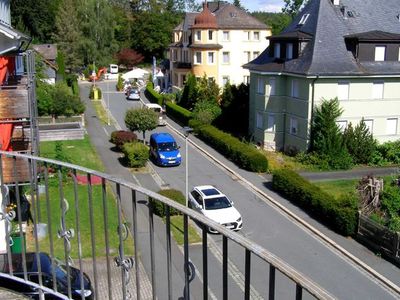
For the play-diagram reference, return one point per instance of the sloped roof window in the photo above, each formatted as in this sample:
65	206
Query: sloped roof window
303	19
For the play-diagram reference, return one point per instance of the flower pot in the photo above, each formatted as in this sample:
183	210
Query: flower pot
17	243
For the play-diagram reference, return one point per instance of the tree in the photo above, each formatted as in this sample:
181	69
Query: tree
292	7
142	119
359	142
238	4
189	94
129	57
207	90
206	111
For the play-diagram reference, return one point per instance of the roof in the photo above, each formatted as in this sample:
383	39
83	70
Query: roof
375	35
162	137
328	26
48	51
205	19
228	16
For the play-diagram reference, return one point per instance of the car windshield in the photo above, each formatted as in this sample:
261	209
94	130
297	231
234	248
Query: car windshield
217	203
61	270
170	146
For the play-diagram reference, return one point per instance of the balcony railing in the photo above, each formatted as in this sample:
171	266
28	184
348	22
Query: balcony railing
109	232
182	65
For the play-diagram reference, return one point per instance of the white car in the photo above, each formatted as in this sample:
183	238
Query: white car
209	201
133	94
160	111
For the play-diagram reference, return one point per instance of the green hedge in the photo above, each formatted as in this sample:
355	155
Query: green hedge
244	155
338	213
136	154
159	207
152	95
178	113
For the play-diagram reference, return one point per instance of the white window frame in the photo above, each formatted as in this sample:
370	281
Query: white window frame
294	126
399	53
271	125
289	50
369	123
246	79
295	88
225	35
247	56
256	54
225	80
342	125
260	86
303	19
391	126
380	53
211	55
196	61
256	35
226	59
343	90
259	120
377	90
277	50
197	35
246	35
272	86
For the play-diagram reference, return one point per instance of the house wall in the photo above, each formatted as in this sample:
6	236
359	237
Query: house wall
360	104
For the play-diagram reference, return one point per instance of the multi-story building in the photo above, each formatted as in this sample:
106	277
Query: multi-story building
216	42
349	49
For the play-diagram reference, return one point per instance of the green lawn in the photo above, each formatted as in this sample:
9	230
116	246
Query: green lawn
337	187
177	231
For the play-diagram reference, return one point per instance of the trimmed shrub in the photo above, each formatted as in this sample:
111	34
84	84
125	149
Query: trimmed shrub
136	154
120	137
120	83
178	113
91	96
152	95
338	213
244	155
159	207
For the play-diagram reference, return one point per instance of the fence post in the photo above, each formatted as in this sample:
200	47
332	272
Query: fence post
396	244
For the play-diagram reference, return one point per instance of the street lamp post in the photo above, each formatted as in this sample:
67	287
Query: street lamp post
186	131
108	106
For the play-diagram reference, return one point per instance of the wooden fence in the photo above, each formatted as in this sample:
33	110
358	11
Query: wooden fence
379	238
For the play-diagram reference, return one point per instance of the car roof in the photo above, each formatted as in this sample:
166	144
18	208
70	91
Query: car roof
31	262
208	190
162	137
153	105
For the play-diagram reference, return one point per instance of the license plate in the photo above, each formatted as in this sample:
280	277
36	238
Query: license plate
171	162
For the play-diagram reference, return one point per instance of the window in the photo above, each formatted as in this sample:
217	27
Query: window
225	36
225	80
370	125
210	35
380	53
342	125
256	35
246	35
343	90
183	79
377	90
197	57
210	57
399	53
289	51
247	56
303	19
272	86
246	79
198	35
295	88
293	126
225	57
260	86
391	126
271	123
175	55
255	54
277	50
259	120
185	56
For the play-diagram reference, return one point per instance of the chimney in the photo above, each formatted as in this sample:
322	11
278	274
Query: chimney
335	2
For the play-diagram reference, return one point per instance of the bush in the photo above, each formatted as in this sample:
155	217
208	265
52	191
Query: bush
120	83
120	137
136	154
339	213
244	155
178	113
159	207
152	95
389	152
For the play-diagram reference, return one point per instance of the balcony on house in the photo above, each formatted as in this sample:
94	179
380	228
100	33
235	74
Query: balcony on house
182	65
104	228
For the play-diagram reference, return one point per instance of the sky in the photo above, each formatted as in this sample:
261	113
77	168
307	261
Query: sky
259	5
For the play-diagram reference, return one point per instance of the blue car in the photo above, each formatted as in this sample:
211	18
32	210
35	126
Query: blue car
164	150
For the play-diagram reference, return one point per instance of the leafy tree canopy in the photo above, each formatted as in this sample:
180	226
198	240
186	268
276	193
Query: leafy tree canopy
292	7
142	119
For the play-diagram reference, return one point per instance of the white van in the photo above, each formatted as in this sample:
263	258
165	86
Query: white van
161	113
114	69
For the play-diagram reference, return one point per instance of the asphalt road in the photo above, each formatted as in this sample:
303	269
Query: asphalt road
265	225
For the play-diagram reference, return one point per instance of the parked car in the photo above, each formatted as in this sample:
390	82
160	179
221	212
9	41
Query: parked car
212	203
133	94
163	150
47	268
160	111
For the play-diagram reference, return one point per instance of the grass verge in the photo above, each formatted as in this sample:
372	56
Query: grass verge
177	231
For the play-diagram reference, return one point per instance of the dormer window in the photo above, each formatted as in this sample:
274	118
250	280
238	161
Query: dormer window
380	53
277	50
289	51
303	19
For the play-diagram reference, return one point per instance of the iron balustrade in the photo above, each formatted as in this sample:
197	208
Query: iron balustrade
103	268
